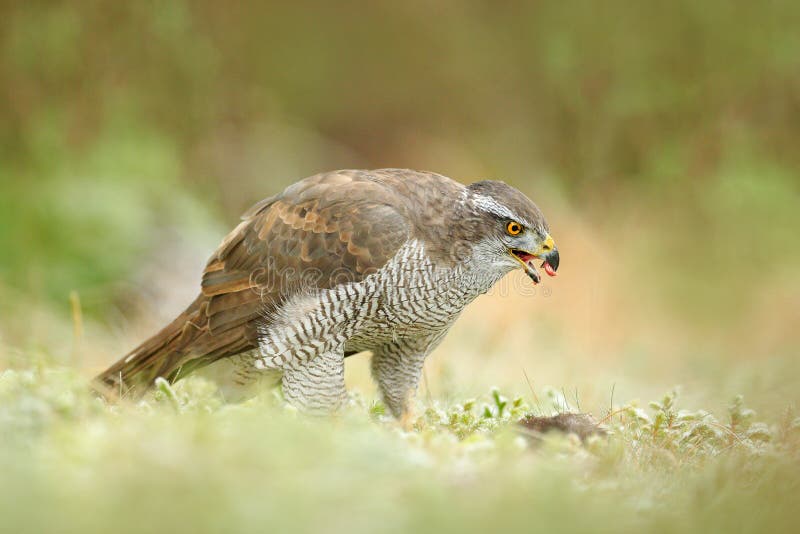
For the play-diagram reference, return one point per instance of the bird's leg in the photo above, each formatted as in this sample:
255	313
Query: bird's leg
316	385
397	367
305	339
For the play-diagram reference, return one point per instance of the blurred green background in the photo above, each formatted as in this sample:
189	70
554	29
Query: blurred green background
661	139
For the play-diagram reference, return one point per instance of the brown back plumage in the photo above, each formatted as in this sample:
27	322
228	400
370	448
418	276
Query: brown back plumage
321	231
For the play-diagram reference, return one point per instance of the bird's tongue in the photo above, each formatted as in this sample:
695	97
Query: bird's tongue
529	259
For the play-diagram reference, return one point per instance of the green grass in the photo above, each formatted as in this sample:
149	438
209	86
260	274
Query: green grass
184	460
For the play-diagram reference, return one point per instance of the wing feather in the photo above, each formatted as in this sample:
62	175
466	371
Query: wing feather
320	225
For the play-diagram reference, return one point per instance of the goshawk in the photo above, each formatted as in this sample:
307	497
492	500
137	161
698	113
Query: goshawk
340	263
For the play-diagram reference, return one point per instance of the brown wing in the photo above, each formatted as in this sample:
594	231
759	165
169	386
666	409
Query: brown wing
323	230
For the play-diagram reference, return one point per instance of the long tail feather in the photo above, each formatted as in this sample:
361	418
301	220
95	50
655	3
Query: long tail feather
183	346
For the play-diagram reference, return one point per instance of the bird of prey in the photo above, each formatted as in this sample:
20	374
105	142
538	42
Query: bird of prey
340	263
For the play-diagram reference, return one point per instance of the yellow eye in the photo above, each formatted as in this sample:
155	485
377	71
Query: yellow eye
514	228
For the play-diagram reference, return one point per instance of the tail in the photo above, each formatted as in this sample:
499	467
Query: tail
183	346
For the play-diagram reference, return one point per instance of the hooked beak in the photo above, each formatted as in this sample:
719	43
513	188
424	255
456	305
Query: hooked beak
547	251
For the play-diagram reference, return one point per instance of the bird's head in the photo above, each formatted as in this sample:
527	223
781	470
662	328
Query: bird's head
514	232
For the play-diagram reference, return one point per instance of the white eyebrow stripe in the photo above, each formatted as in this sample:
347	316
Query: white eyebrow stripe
490	205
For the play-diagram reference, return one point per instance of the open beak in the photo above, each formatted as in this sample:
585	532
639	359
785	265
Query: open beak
547	252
